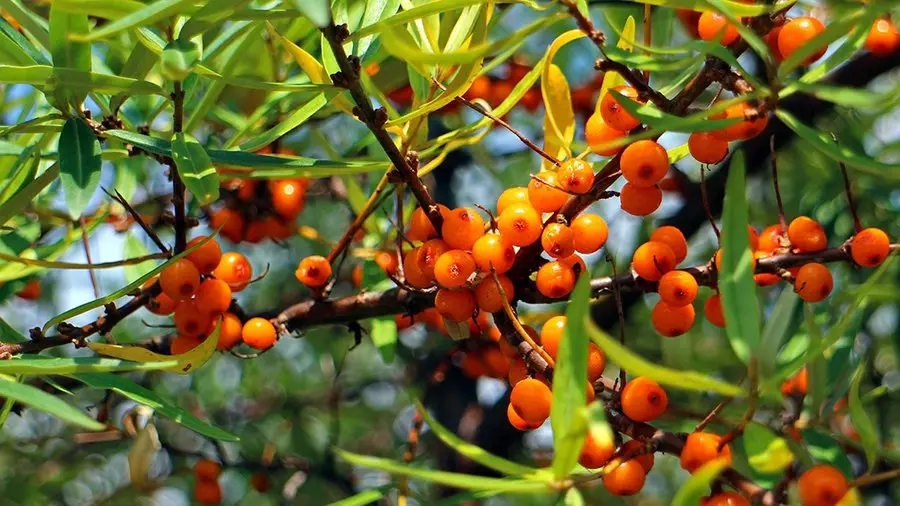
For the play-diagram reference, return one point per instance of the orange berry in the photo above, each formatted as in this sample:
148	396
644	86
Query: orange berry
614	114
813	282
643	400
543	194
260	482
574	262
520	224
231	223
413	274
462	227
597	133
190	320
488	297
712	308
677	288
180	280
653	259
715	26
213	296
229	332
771	40
259	333
772	238
161	305
674	239
356	276
700	448
427	255
455	305
796	33
752	237
275	227
640	201
822	485
764	278
493	250
644	458
255	233
806	235
706	148
207	470
288	197
626	479
745	129
797	384
31	290
516	421
207	493
420	227
510	196
313	271
576	176
870	247
235	270
518	371
552	333
496	364
883	38
644	163
558	240
727	499
590	232
596	362
453	268
207	256
595	454
387	261
183	344
555	280
671	321
480	88
531	399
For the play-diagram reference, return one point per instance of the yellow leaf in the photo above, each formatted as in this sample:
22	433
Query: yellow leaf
141	455
613	79
851	498
187	362
559	120
776	458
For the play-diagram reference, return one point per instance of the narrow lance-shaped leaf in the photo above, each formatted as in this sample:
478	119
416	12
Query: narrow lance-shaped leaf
153	12
195	168
42	401
384	337
766	452
79	164
777	327
317	12
698	484
33	365
66	53
862	422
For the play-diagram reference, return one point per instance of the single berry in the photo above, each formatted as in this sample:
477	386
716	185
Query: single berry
207	256
574	262
674	239
552	333
277	228
208	493
797	384
870	247
427	255
180	280
496	364
544	194
387	261
531	399
413	273
822	485
183	344
518	371
702	447
520	224
510	196
596	362
712	309
558	240
207	470
595	453
313	271
643	457
229	332
671	321
626	479
727	499
161	305
653	259
455	305
516	421
231	223
771	40
259	333
813	282
614	114
772	238
453	268
715	26
806	235
883	38
797	33
420	227
260	482
677	288
706	148
555	280
213	296
488	297
493	251
288	197
590	232
598	134
745	129
643	400
576	176
644	163
190	320
640	201
462	227
235	270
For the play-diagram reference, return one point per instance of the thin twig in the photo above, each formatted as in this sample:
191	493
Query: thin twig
139	219
87	256
848	189
705	198
778	200
617	293
178	189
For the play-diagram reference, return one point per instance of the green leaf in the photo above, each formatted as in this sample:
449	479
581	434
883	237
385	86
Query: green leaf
195	168
638	366
42	401
211	14
9	334
12	53
31	22
22	171
697	485
835	29
734	7
816	367
141	395
34	365
297	118
134	248
52	78
778	326
474	452
179	57
573	498
825	450
364	498
23	197
840	95
68	54
457	480
384	337
568	414
149	15
79	164
698	122
862	422
766	452
99	8
316	11
739	301
376	10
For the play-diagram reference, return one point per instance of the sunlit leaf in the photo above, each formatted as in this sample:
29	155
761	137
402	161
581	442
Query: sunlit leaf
195	168
153	12
33	365
766	452
42	401
698	484
862	422
79	164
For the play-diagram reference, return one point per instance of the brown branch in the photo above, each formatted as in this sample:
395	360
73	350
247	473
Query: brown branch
178	189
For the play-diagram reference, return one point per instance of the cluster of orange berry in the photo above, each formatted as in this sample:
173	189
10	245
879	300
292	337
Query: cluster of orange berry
255	211
31	291
197	289
207	490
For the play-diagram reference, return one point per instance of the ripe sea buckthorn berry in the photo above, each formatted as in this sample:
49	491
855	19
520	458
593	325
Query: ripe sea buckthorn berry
594	453
256	232
213	296
612	112
764	278
822	485
870	247
493	250
356	276
180	280
796	33
480	88
205	257
516	421
727	499
644	163
772	238
639	201
552	333
813	282
653	259
555	280
625	479
531	399
229	332
590	231
520	224
677	288
558	240
712	309
574	262
806	235
414	275
259	333
473	365
715	26
596	362
518	371
543	194
719	264
752	237
387	261
235	270
190	320
231	223
706	148
674	239
771	40
288	197
510	196
313	271
883	38
644	458
488	297
462	227
700	448
643	400
597	133
797	384
207	470
260	482
183	344
455	305
453	268
427	255
576	176
161	305
745	129
274	227
208	493
496	364
420	227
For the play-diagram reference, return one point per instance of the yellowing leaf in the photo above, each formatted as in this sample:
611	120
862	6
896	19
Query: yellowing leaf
851	498
559	120
187	362
141	455
315	70
775	459
613	79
